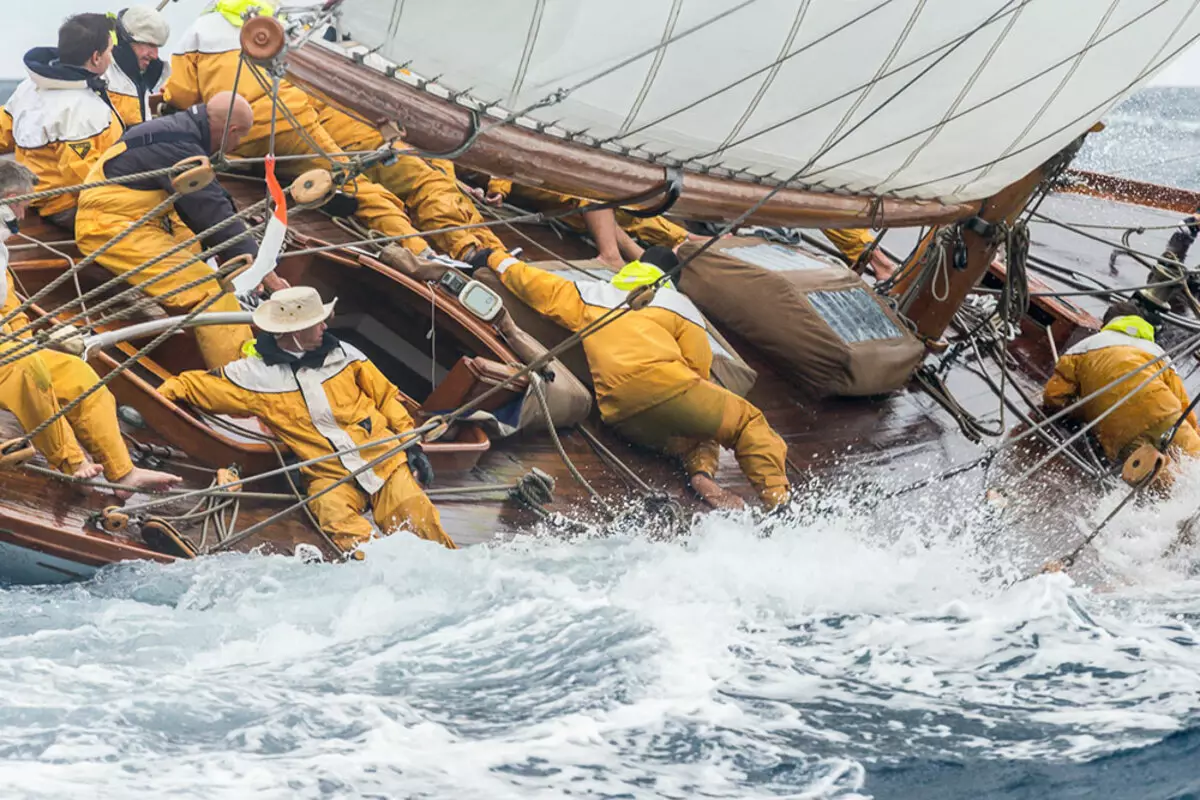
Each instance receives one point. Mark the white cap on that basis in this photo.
(292, 309)
(145, 25)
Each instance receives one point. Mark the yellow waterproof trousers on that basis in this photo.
(433, 199)
(94, 421)
(219, 344)
(652, 231)
(27, 391)
(692, 425)
(400, 503)
(378, 208)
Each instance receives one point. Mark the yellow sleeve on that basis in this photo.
(851, 241)
(7, 143)
(500, 186)
(72, 166)
(445, 166)
(386, 396)
(549, 294)
(1176, 385)
(693, 344)
(209, 391)
(1063, 386)
(11, 303)
(183, 87)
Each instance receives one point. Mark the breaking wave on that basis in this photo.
(848, 651)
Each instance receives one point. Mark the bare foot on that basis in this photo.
(88, 471)
(711, 493)
(611, 260)
(146, 480)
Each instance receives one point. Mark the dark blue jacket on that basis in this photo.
(168, 140)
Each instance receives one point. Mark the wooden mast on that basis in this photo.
(538, 159)
(932, 315)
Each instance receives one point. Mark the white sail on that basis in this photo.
(947, 99)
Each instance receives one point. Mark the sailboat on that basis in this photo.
(934, 117)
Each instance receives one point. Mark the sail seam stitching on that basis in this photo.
(1062, 84)
(770, 76)
(535, 28)
(659, 54)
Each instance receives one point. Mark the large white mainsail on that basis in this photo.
(945, 99)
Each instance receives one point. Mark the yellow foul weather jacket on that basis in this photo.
(61, 120)
(206, 63)
(639, 360)
(1102, 358)
(335, 400)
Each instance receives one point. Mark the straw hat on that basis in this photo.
(145, 25)
(292, 309)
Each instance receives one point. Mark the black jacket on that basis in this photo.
(165, 141)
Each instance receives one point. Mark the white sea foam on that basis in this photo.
(729, 663)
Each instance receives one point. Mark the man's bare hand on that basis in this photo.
(272, 283)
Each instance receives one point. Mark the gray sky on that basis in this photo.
(38, 20)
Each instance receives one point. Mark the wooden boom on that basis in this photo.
(537, 159)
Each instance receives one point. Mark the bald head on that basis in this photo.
(234, 108)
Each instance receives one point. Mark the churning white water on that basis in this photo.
(799, 660)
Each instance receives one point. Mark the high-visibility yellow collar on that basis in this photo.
(235, 10)
(635, 274)
(1133, 326)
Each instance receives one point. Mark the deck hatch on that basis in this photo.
(854, 315)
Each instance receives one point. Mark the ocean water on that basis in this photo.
(845, 651)
(1153, 136)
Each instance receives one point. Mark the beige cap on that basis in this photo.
(292, 309)
(145, 25)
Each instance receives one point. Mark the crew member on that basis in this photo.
(207, 63)
(61, 117)
(107, 210)
(36, 387)
(1125, 343)
(651, 372)
(137, 73)
(320, 395)
(428, 190)
(853, 242)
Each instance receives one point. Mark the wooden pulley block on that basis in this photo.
(228, 475)
(113, 520)
(1142, 463)
(313, 187)
(15, 452)
(263, 38)
(195, 177)
(239, 264)
(162, 536)
(438, 430)
(641, 297)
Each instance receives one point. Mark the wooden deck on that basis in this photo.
(872, 441)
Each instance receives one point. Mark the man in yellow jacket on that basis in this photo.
(1125, 343)
(320, 395)
(36, 387)
(207, 63)
(137, 73)
(651, 373)
(107, 210)
(61, 119)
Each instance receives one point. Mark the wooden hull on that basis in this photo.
(45, 528)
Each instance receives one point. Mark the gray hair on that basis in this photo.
(15, 178)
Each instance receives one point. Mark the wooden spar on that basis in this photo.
(536, 159)
(931, 315)
(1127, 190)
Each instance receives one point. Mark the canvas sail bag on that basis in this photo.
(815, 319)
